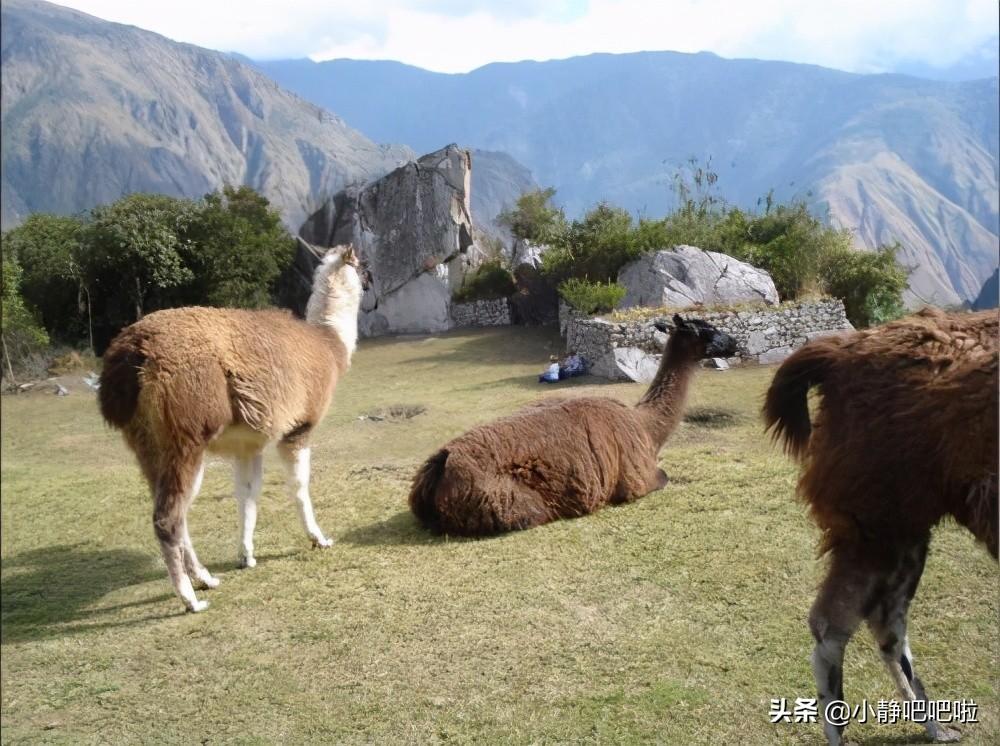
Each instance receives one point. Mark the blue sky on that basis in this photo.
(938, 38)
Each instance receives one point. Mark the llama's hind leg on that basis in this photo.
(887, 612)
(171, 497)
(248, 476)
(833, 619)
(296, 458)
(196, 571)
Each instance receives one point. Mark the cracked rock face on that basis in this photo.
(686, 275)
(413, 228)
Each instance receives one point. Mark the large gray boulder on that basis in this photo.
(686, 276)
(627, 364)
(413, 228)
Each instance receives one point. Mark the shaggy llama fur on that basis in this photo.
(905, 435)
(185, 381)
(562, 458)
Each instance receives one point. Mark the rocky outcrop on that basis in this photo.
(413, 228)
(687, 276)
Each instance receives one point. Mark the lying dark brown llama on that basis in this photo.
(906, 434)
(562, 458)
(189, 380)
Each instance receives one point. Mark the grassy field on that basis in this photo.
(674, 619)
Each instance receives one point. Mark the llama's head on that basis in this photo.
(698, 339)
(338, 284)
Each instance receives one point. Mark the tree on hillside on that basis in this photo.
(534, 217)
(136, 247)
(237, 248)
(55, 282)
(20, 332)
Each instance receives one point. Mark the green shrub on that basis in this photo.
(591, 297)
(20, 332)
(870, 283)
(535, 218)
(491, 280)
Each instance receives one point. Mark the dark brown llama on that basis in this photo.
(562, 458)
(905, 435)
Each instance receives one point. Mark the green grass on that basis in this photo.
(674, 619)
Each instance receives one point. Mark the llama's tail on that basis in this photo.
(424, 488)
(786, 408)
(118, 394)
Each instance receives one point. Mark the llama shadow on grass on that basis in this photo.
(402, 529)
(48, 592)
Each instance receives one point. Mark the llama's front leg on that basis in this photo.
(887, 621)
(248, 475)
(297, 461)
(195, 570)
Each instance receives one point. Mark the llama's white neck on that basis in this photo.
(334, 303)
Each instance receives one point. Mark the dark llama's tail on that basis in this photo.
(118, 394)
(425, 485)
(786, 408)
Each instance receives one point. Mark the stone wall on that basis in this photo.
(481, 313)
(765, 335)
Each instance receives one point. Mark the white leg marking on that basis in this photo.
(298, 463)
(248, 475)
(181, 582)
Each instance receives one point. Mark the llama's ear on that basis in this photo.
(679, 322)
(349, 256)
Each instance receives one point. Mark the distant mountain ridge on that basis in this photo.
(93, 110)
(889, 156)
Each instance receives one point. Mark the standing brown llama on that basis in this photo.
(562, 458)
(188, 380)
(905, 434)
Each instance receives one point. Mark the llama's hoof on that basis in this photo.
(321, 543)
(246, 562)
(195, 606)
(206, 582)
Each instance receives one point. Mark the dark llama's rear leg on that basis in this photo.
(833, 619)
(199, 575)
(887, 611)
(172, 494)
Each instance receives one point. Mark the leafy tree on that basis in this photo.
(20, 332)
(534, 217)
(871, 283)
(50, 252)
(136, 248)
(236, 248)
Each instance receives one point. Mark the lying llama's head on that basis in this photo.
(698, 339)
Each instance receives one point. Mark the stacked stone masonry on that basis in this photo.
(481, 313)
(766, 335)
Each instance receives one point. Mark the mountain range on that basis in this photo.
(889, 156)
(92, 110)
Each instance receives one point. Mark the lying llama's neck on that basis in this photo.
(663, 402)
(334, 305)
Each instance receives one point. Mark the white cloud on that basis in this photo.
(459, 35)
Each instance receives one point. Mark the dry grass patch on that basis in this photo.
(674, 619)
